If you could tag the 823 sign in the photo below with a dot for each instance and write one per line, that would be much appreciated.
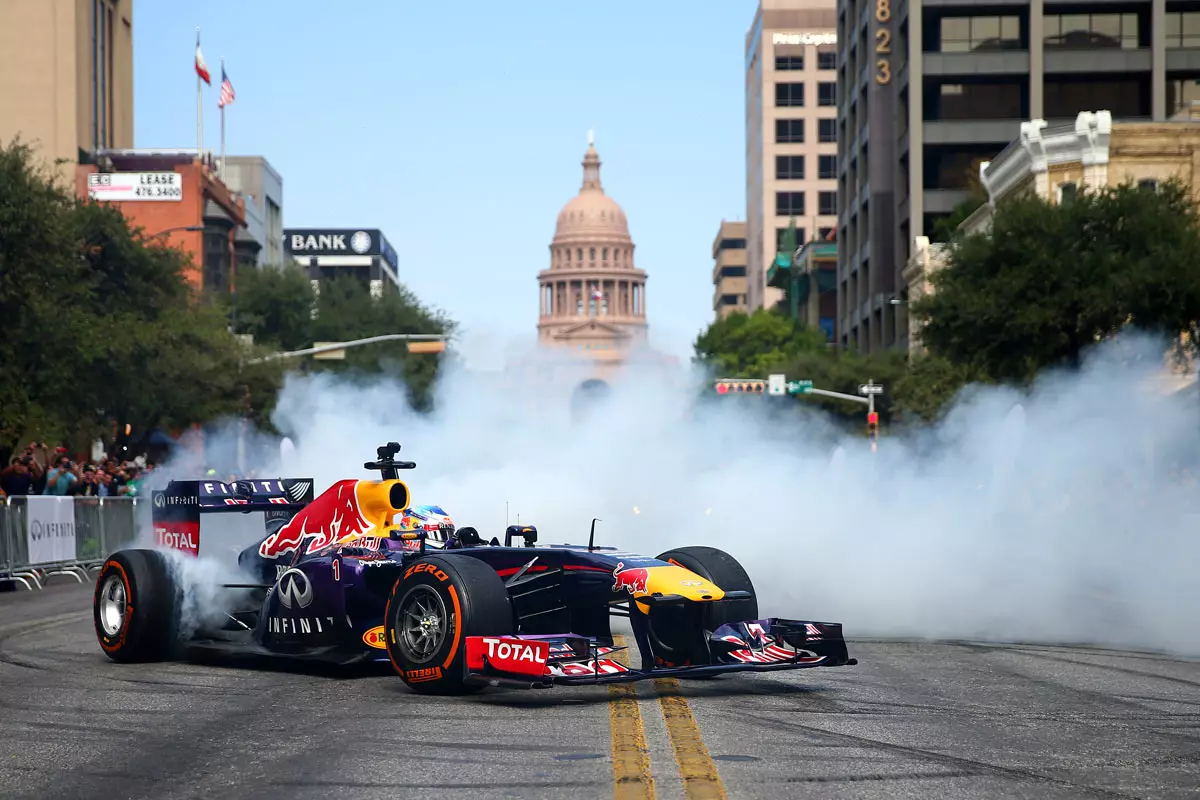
(883, 43)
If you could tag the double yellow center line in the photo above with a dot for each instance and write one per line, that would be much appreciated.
(632, 776)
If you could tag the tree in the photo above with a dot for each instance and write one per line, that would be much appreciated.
(274, 305)
(102, 329)
(742, 345)
(1050, 280)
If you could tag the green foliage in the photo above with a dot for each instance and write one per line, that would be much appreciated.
(276, 306)
(758, 344)
(1051, 280)
(102, 329)
(744, 345)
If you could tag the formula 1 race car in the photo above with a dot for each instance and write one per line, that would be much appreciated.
(336, 578)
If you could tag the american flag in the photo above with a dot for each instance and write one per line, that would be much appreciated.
(227, 94)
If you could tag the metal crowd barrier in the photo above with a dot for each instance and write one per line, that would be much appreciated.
(68, 536)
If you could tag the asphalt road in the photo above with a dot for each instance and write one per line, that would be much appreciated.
(911, 720)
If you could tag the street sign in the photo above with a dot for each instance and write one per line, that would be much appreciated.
(799, 387)
(868, 388)
(777, 384)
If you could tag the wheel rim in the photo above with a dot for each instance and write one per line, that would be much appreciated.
(113, 604)
(422, 624)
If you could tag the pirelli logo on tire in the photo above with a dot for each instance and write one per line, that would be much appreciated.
(422, 675)
(429, 567)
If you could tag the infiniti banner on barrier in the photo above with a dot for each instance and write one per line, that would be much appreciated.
(50, 529)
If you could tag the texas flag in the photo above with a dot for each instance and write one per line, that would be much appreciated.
(201, 66)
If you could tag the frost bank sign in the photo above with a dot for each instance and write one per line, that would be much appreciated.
(804, 38)
(50, 529)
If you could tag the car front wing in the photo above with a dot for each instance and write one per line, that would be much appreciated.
(765, 645)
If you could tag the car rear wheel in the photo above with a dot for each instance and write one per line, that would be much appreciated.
(435, 604)
(136, 607)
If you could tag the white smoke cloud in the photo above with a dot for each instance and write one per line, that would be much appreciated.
(1052, 516)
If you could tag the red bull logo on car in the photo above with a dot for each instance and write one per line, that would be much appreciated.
(331, 517)
(630, 579)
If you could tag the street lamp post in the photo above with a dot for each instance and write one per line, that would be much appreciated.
(326, 348)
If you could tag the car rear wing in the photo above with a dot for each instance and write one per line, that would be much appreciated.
(176, 510)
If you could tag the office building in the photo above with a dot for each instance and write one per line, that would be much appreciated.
(791, 132)
(808, 279)
(66, 77)
(929, 91)
(361, 253)
(261, 187)
(729, 269)
(176, 199)
(1056, 162)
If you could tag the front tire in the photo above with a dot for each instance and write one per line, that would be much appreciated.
(435, 604)
(679, 634)
(725, 571)
(136, 607)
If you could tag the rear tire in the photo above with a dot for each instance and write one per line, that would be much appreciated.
(436, 603)
(136, 607)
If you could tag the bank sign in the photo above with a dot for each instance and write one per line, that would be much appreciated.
(338, 242)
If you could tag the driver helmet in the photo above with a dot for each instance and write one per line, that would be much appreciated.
(433, 520)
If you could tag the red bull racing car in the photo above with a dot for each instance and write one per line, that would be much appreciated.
(338, 578)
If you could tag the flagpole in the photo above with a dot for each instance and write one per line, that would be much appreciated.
(199, 110)
(222, 122)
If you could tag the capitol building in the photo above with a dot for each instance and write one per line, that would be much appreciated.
(592, 327)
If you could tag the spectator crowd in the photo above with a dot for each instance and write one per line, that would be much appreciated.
(41, 470)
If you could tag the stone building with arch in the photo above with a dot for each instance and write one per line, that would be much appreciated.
(592, 312)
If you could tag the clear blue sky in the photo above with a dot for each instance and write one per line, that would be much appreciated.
(458, 128)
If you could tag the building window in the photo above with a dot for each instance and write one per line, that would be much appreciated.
(788, 63)
(1149, 185)
(781, 232)
(789, 131)
(964, 34)
(827, 167)
(729, 299)
(1091, 31)
(733, 272)
(789, 95)
(827, 204)
(1181, 93)
(827, 130)
(789, 168)
(789, 204)
(824, 233)
(1183, 29)
(827, 59)
(1125, 97)
(732, 244)
(827, 94)
(1066, 192)
(977, 101)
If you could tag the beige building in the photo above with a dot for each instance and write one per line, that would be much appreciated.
(729, 269)
(1058, 161)
(66, 77)
(592, 326)
(593, 297)
(791, 132)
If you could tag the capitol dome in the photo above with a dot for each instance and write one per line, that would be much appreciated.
(593, 297)
(591, 213)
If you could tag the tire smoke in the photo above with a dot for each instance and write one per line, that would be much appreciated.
(1065, 514)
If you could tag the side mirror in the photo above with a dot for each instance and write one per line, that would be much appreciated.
(526, 532)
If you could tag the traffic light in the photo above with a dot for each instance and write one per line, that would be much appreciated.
(736, 386)
(873, 424)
